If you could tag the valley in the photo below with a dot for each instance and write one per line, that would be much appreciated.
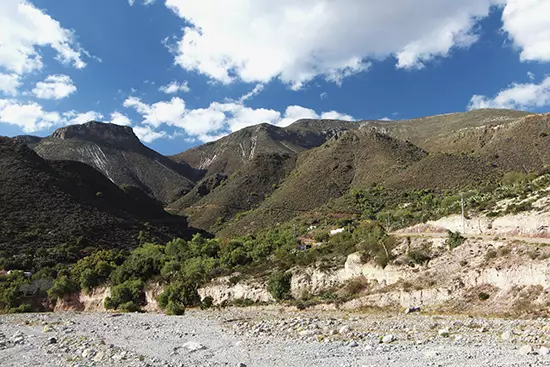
(295, 232)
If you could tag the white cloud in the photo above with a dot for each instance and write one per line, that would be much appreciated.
(74, 118)
(118, 118)
(25, 29)
(145, 2)
(147, 135)
(323, 95)
(258, 40)
(29, 117)
(528, 25)
(254, 92)
(386, 118)
(54, 87)
(9, 84)
(158, 113)
(175, 87)
(218, 119)
(531, 76)
(517, 96)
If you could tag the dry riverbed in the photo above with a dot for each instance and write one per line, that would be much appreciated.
(251, 337)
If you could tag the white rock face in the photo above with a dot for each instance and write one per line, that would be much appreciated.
(222, 290)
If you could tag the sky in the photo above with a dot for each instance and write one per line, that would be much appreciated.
(185, 72)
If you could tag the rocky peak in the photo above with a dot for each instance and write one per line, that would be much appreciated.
(99, 132)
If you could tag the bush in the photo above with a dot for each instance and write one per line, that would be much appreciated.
(419, 257)
(279, 286)
(124, 294)
(454, 239)
(483, 296)
(207, 302)
(62, 286)
(375, 243)
(177, 296)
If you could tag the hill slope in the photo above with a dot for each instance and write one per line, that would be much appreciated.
(229, 153)
(357, 158)
(46, 204)
(117, 153)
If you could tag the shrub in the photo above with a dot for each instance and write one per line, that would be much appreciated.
(279, 286)
(321, 236)
(483, 296)
(419, 257)
(513, 178)
(454, 239)
(375, 243)
(123, 294)
(177, 296)
(207, 302)
(62, 286)
(491, 254)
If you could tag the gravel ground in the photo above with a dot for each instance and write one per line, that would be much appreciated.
(251, 337)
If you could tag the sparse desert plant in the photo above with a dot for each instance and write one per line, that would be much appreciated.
(454, 239)
(483, 296)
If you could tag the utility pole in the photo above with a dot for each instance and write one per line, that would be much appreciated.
(463, 217)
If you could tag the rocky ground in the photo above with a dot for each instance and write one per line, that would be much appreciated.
(253, 337)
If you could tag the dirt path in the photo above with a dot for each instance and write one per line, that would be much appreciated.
(477, 236)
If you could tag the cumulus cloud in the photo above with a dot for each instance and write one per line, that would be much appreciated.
(54, 87)
(148, 135)
(25, 29)
(9, 84)
(516, 96)
(218, 119)
(75, 118)
(258, 40)
(30, 117)
(528, 25)
(175, 87)
(118, 118)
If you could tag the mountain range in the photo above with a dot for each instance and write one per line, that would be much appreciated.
(263, 175)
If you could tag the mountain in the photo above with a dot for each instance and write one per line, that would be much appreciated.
(48, 204)
(442, 133)
(229, 153)
(116, 152)
(357, 158)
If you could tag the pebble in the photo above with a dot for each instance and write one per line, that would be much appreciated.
(525, 350)
(388, 339)
(507, 335)
(444, 333)
(193, 346)
(544, 351)
(52, 340)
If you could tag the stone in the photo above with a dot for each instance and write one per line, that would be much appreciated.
(241, 364)
(526, 350)
(412, 309)
(431, 353)
(88, 353)
(99, 356)
(544, 351)
(444, 333)
(507, 335)
(345, 330)
(52, 340)
(353, 344)
(47, 329)
(193, 346)
(386, 339)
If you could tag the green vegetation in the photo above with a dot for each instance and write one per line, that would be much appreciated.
(279, 286)
(454, 240)
(127, 296)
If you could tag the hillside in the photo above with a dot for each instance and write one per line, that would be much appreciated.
(229, 153)
(69, 205)
(446, 133)
(247, 188)
(116, 152)
(358, 158)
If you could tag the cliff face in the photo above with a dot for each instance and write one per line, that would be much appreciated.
(118, 154)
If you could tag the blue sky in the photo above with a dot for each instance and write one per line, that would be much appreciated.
(235, 63)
